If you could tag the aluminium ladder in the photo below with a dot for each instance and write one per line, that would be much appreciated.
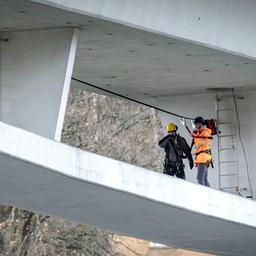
(228, 165)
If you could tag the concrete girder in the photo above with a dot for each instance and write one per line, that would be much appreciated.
(226, 25)
(55, 179)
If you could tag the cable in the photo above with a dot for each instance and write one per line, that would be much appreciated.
(131, 99)
(241, 142)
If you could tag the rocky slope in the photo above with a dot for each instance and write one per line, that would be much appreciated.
(115, 128)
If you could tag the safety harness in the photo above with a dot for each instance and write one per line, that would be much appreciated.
(178, 164)
(207, 151)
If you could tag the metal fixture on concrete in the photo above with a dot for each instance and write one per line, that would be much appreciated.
(228, 167)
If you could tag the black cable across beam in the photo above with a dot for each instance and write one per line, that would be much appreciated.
(131, 99)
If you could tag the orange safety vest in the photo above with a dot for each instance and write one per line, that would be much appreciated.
(203, 143)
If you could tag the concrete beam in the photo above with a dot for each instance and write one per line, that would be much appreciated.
(226, 25)
(35, 73)
(55, 179)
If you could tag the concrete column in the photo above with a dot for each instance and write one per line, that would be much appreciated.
(35, 73)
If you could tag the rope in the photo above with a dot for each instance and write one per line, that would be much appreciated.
(242, 144)
(131, 99)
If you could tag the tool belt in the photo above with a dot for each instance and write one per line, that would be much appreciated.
(204, 151)
(177, 166)
(209, 152)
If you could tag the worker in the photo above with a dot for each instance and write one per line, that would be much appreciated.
(202, 141)
(176, 149)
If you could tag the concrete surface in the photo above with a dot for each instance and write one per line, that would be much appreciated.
(142, 65)
(35, 72)
(226, 25)
(52, 178)
(136, 62)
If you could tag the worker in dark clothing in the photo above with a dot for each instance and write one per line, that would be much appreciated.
(176, 149)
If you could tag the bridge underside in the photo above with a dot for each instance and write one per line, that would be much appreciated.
(133, 61)
(51, 178)
(55, 179)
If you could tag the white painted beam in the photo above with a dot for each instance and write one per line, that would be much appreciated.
(36, 68)
(226, 25)
(66, 85)
(52, 178)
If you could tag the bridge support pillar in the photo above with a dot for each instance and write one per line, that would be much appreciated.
(35, 73)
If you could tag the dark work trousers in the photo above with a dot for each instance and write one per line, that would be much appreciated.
(202, 175)
(173, 169)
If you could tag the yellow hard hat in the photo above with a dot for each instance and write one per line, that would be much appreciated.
(171, 127)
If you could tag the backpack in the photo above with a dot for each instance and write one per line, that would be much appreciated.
(212, 125)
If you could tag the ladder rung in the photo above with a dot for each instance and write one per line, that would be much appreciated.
(226, 122)
(228, 162)
(226, 109)
(229, 174)
(235, 187)
(226, 135)
(224, 149)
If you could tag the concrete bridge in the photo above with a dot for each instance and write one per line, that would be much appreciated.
(173, 54)
(55, 179)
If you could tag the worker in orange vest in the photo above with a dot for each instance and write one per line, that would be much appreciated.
(202, 142)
